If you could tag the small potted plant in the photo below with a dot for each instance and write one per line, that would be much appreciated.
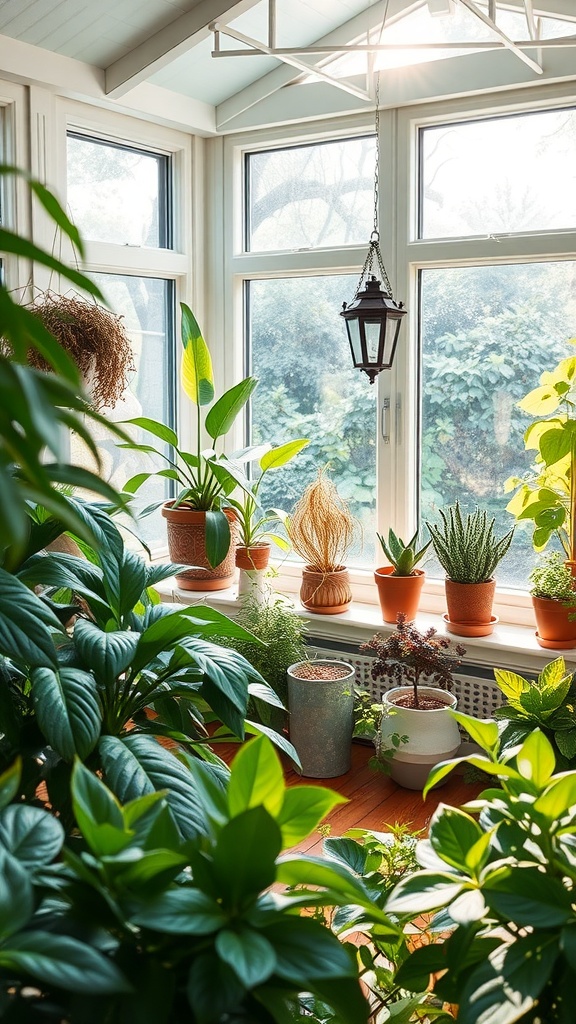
(201, 528)
(469, 551)
(322, 530)
(416, 725)
(554, 602)
(400, 583)
(253, 522)
(321, 715)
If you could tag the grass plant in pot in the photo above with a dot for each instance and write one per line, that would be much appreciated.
(554, 602)
(321, 722)
(469, 551)
(257, 527)
(417, 731)
(322, 530)
(400, 583)
(201, 528)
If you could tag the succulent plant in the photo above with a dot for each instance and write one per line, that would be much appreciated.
(404, 557)
(467, 547)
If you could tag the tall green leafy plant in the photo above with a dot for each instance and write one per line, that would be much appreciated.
(546, 495)
(205, 477)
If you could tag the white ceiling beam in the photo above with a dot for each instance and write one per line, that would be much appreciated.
(169, 43)
(509, 43)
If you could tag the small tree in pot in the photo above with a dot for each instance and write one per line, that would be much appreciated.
(469, 551)
(421, 668)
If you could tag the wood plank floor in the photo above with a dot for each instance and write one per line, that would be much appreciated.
(374, 801)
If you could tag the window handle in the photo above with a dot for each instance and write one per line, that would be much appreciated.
(384, 421)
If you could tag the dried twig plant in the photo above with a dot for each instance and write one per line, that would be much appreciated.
(322, 527)
(94, 337)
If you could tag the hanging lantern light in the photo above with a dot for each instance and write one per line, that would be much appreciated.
(373, 318)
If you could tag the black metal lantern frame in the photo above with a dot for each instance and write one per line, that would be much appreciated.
(373, 318)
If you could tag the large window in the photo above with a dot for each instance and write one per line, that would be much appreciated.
(120, 198)
(316, 199)
(488, 331)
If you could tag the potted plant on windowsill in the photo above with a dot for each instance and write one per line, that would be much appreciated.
(417, 731)
(201, 528)
(469, 551)
(554, 601)
(322, 531)
(400, 583)
(253, 522)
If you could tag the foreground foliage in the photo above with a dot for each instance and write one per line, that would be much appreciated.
(500, 875)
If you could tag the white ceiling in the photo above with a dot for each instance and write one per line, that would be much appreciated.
(167, 44)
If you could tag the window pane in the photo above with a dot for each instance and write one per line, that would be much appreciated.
(500, 175)
(308, 388)
(309, 196)
(117, 194)
(146, 304)
(487, 335)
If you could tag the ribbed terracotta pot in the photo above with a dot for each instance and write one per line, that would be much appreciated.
(470, 605)
(186, 543)
(254, 557)
(326, 593)
(554, 628)
(433, 735)
(398, 594)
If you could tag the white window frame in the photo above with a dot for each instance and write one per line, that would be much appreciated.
(404, 256)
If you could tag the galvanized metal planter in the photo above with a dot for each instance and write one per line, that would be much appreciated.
(321, 719)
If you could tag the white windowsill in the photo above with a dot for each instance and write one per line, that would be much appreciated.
(510, 646)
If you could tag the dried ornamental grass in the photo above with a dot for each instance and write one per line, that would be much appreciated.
(94, 338)
(322, 528)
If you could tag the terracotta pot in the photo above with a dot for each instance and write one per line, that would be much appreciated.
(555, 630)
(326, 593)
(186, 543)
(470, 605)
(398, 593)
(256, 556)
(433, 735)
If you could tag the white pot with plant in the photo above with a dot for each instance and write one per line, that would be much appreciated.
(321, 721)
(322, 530)
(416, 730)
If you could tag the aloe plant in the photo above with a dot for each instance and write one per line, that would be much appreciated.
(403, 557)
(467, 547)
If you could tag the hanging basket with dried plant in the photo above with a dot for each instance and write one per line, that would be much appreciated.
(94, 337)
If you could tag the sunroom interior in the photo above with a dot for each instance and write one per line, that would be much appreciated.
(225, 156)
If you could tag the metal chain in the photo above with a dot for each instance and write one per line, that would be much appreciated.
(377, 164)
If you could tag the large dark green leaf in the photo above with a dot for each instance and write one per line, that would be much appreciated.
(62, 961)
(124, 582)
(168, 625)
(30, 834)
(10, 779)
(424, 891)
(306, 951)
(24, 624)
(529, 897)
(214, 990)
(241, 871)
(136, 765)
(67, 572)
(68, 710)
(250, 955)
(16, 899)
(107, 654)
(181, 911)
(224, 412)
(504, 987)
(452, 834)
(216, 537)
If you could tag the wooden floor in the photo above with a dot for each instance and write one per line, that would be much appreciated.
(374, 801)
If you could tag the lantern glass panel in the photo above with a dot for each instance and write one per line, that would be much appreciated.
(372, 329)
(355, 342)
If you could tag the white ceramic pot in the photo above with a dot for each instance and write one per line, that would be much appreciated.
(433, 735)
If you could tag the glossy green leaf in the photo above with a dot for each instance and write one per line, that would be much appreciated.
(296, 869)
(283, 454)
(95, 806)
(506, 985)
(225, 411)
(62, 961)
(25, 624)
(159, 430)
(30, 834)
(16, 898)
(306, 951)
(68, 710)
(529, 897)
(214, 990)
(250, 955)
(423, 892)
(240, 874)
(535, 759)
(440, 771)
(303, 808)
(181, 911)
(484, 732)
(511, 684)
(568, 944)
(452, 834)
(107, 654)
(217, 537)
(256, 778)
(558, 797)
(196, 367)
